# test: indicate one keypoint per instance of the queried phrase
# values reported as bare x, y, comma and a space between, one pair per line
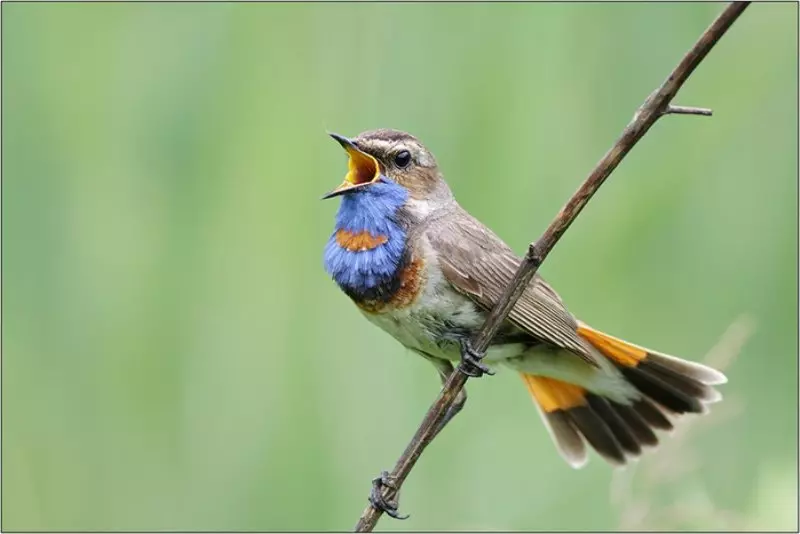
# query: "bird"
419, 266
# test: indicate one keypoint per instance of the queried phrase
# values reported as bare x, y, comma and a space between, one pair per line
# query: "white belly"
438, 308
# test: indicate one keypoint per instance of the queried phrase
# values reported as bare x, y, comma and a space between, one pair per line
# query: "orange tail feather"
618, 431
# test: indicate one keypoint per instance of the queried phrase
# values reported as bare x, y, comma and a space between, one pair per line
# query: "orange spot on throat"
359, 241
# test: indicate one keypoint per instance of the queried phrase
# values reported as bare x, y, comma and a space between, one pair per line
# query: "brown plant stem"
656, 106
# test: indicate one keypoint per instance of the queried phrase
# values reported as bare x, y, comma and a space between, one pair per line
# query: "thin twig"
687, 110
654, 108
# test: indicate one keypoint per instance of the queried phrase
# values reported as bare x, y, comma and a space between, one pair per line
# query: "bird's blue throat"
367, 247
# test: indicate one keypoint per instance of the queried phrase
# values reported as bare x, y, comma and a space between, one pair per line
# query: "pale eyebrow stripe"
380, 144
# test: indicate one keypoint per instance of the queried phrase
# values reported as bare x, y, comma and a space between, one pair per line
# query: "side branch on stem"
656, 106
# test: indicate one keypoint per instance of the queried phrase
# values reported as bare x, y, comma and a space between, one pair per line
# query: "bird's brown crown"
403, 158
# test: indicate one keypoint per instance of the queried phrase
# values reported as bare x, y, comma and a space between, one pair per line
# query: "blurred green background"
175, 357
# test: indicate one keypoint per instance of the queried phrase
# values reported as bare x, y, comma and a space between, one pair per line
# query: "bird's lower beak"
363, 169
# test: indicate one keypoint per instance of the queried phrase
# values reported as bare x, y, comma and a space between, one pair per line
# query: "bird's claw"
471, 364
377, 500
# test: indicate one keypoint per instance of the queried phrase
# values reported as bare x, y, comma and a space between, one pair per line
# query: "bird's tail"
667, 386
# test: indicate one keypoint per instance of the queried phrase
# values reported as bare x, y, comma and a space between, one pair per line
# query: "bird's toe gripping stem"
471, 364
377, 500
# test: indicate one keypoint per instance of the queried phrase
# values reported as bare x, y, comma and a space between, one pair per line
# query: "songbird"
424, 270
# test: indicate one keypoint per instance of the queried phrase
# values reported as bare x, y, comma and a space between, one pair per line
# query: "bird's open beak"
363, 169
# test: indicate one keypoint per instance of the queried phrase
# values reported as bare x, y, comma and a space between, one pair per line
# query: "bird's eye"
402, 158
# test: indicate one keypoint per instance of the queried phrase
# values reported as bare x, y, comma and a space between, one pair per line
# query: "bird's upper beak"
363, 169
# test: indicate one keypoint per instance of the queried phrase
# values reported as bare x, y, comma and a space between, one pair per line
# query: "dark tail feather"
677, 385
575, 416
597, 432
673, 397
617, 430
685, 384
637, 424
621, 430
652, 415
668, 386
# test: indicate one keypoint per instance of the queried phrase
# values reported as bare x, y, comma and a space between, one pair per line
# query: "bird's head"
388, 156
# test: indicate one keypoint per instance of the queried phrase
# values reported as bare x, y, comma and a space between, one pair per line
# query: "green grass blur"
175, 357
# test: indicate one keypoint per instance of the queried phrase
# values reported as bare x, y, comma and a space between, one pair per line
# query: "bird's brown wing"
479, 264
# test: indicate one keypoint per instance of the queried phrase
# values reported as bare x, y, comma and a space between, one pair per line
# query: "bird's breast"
435, 319
376, 269
406, 286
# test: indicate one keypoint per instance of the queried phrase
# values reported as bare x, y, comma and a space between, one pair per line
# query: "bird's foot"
376, 496
471, 364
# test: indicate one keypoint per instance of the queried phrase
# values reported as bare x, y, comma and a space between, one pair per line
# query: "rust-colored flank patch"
410, 284
412, 279
360, 241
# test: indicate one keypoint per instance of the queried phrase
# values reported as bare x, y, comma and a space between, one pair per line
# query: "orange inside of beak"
362, 168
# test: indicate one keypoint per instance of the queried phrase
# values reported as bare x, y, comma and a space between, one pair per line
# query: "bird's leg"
445, 370
451, 412
471, 364
377, 500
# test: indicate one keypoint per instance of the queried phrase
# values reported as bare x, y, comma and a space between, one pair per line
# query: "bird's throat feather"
368, 246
